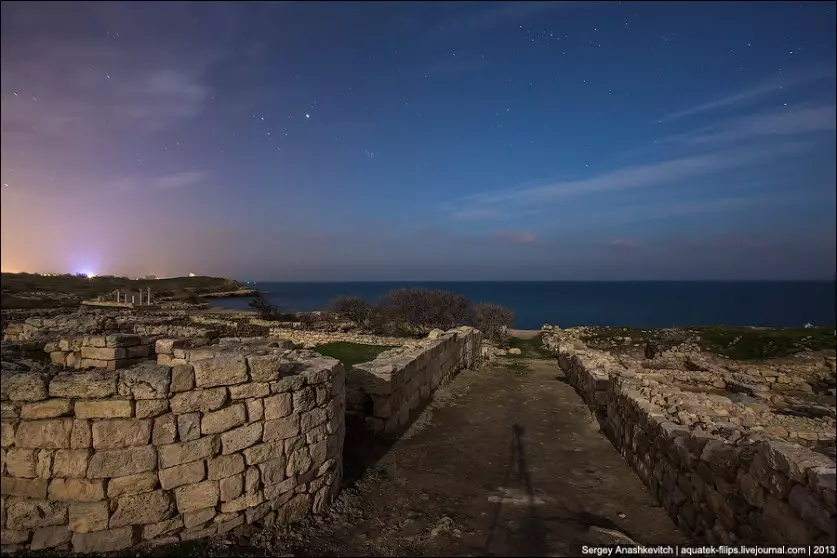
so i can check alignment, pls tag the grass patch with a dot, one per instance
(529, 348)
(749, 343)
(351, 353)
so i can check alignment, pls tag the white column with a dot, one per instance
(132, 299)
(117, 295)
(149, 295)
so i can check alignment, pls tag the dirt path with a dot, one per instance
(506, 461)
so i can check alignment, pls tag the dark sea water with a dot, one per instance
(633, 303)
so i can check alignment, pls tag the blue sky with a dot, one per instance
(420, 141)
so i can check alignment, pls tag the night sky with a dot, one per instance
(420, 141)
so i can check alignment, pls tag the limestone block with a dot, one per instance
(273, 470)
(94, 341)
(262, 452)
(179, 475)
(252, 479)
(121, 433)
(21, 462)
(242, 502)
(810, 509)
(255, 410)
(122, 462)
(264, 368)
(146, 381)
(281, 429)
(93, 363)
(295, 509)
(186, 452)
(23, 386)
(220, 371)
(312, 419)
(46, 433)
(318, 452)
(7, 432)
(26, 488)
(154, 530)
(203, 400)
(189, 426)
(274, 492)
(81, 435)
(164, 430)
(115, 408)
(76, 490)
(83, 385)
(278, 406)
(198, 517)
(182, 378)
(304, 399)
(109, 540)
(223, 420)
(196, 496)
(86, 517)
(233, 523)
(103, 353)
(289, 383)
(193, 534)
(241, 438)
(132, 484)
(231, 487)
(299, 462)
(139, 352)
(122, 340)
(248, 390)
(50, 408)
(71, 463)
(26, 513)
(50, 537)
(224, 466)
(822, 481)
(141, 509)
(165, 346)
(149, 408)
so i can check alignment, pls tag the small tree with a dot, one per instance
(493, 320)
(352, 307)
(265, 309)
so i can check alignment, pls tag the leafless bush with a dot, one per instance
(264, 308)
(493, 320)
(352, 307)
(425, 308)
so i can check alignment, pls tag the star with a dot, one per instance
(307, 115)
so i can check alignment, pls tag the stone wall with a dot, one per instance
(385, 392)
(103, 460)
(101, 351)
(724, 489)
(314, 338)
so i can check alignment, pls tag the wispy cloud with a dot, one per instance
(514, 237)
(164, 182)
(178, 180)
(753, 94)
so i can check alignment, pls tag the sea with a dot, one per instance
(640, 304)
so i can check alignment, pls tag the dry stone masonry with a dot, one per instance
(398, 381)
(106, 459)
(721, 474)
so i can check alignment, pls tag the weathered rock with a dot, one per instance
(241, 438)
(189, 426)
(50, 408)
(164, 430)
(196, 496)
(273, 470)
(122, 462)
(252, 389)
(179, 475)
(115, 408)
(186, 452)
(70, 463)
(141, 509)
(264, 368)
(198, 517)
(225, 466)
(121, 433)
(132, 484)
(25, 386)
(50, 537)
(231, 487)
(86, 517)
(281, 429)
(278, 406)
(146, 381)
(154, 530)
(109, 540)
(26, 488)
(223, 420)
(47, 433)
(220, 371)
(76, 490)
(83, 385)
(150, 408)
(203, 400)
(24, 513)
(262, 452)
(182, 378)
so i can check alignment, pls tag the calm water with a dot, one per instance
(636, 304)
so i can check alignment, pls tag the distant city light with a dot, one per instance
(191, 274)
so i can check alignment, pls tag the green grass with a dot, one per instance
(529, 348)
(351, 353)
(745, 343)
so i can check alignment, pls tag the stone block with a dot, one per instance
(46, 433)
(252, 479)
(264, 368)
(150, 408)
(198, 517)
(281, 429)
(25, 488)
(139, 352)
(295, 509)
(278, 406)
(196, 496)
(304, 400)
(21, 462)
(141, 509)
(59, 358)
(83, 385)
(50, 408)
(70, 463)
(145, 381)
(186, 452)
(273, 471)
(94, 341)
(231, 487)
(299, 462)
(224, 466)
(193, 534)
(122, 340)
(93, 363)
(164, 430)
(233, 523)
(242, 503)
(10, 539)
(249, 390)
(241, 438)
(220, 371)
(109, 540)
(311, 419)
(189, 426)
(132, 484)
(203, 400)
(811, 509)
(165, 346)
(86, 517)
(122, 462)
(24, 386)
(103, 353)
(7, 432)
(81, 435)
(76, 490)
(289, 383)
(121, 433)
(115, 408)
(223, 420)
(154, 530)
(255, 410)
(179, 475)
(262, 452)
(50, 537)
(25, 513)
(182, 378)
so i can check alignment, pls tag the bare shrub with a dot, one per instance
(493, 321)
(425, 309)
(265, 309)
(353, 308)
